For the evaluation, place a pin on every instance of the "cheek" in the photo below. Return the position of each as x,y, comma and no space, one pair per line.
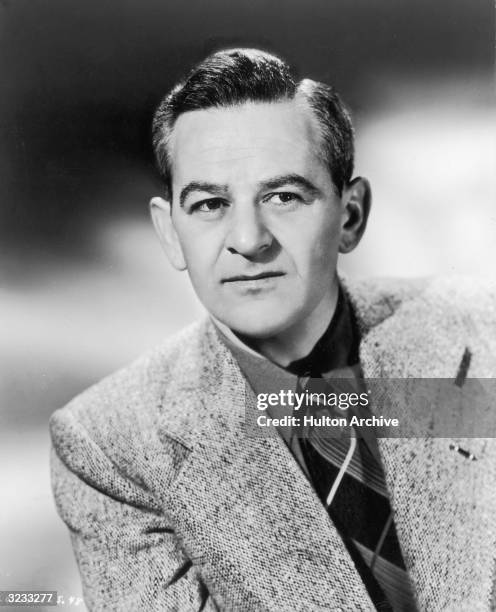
201,252
316,250
198,244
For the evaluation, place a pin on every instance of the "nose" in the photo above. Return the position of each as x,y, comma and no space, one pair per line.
248,234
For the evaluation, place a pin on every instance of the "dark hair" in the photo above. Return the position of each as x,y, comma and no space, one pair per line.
236,76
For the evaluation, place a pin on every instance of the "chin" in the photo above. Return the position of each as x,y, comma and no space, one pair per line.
258,323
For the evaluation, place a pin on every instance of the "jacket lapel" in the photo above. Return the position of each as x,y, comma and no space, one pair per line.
248,516
444,504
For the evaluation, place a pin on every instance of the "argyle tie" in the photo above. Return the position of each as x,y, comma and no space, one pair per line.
347,474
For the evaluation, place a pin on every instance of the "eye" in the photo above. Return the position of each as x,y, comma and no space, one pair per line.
211,206
283,198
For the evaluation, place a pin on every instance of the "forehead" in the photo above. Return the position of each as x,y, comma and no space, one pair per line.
246,142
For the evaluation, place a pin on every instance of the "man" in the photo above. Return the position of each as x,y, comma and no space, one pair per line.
171,504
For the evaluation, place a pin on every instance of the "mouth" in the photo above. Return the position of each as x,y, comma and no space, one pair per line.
240,278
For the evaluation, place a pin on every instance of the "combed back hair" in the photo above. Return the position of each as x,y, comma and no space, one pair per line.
236,76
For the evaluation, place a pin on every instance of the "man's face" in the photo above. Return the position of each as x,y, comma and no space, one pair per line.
255,216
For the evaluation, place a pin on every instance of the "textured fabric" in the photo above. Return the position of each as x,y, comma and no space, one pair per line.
171,506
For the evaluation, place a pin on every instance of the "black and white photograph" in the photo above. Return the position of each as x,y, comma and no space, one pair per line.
248,306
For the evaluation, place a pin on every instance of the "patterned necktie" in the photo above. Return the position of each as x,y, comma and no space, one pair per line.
347,474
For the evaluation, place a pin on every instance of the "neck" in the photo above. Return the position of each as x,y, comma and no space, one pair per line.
297,341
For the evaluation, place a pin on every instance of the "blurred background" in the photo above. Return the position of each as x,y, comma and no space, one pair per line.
84,287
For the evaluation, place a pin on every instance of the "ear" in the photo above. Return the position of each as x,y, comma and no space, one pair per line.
356,200
161,213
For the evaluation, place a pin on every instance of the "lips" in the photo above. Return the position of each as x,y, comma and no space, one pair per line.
251,277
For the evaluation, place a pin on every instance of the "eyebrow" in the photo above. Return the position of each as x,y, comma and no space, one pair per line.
291,179
220,190
274,183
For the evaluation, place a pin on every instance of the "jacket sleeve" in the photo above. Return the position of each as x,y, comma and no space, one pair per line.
128,555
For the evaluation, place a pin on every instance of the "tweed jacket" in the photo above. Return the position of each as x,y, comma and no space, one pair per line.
171,506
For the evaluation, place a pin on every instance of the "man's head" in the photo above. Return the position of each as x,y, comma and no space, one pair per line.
259,198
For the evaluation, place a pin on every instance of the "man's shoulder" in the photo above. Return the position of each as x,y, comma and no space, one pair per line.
138,401
377,299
